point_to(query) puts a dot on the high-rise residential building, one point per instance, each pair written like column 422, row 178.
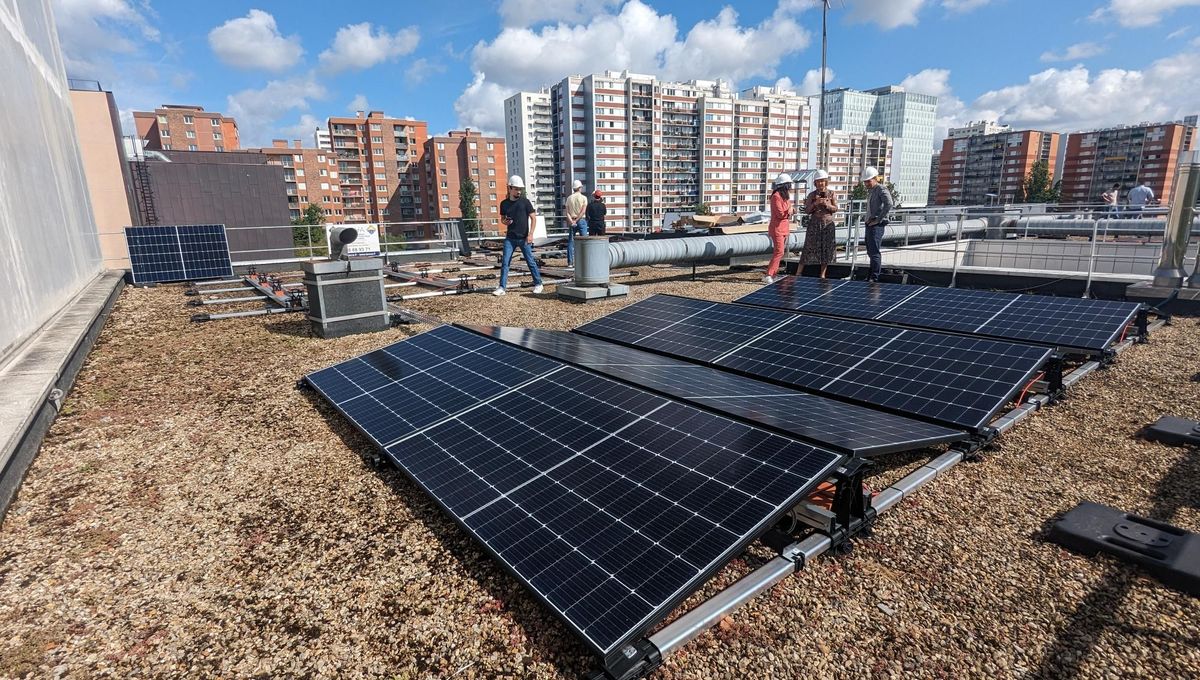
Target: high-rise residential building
column 990, row 168
column 182, row 127
column 934, row 172
column 380, row 164
column 310, row 178
column 458, row 155
column 529, row 144
column 848, row 154
column 1098, row 159
column 321, row 138
column 907, row 117
column 1192, row 120
column 983, row 127
column 656, row 146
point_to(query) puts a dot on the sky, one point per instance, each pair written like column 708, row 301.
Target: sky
column 281, row 68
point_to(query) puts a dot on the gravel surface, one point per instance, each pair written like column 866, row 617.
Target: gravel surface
column 192, row 513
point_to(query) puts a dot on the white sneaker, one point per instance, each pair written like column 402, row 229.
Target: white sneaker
column 538, row 288
column 498, row 292
column 768, row 280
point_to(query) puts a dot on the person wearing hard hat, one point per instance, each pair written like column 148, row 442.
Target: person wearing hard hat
column 879, row 207
column 519, row 217
column 820, row 205
column 596, row 213
column 576, row 219
column 781, row 223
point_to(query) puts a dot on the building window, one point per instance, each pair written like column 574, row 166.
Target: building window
column 191, row 134
column 162, row 120
column 320, row 158
column 491, row 160
column 474, row 159
column 475, row 171
column 491, row 172
column 215, row 122
column 216, row 135
column 188, row 120
column 376, row 127
column 192, row 147
column 165, row 133
column 491, row 197
column 492, row 184
column 378, row 152
column 445, row 198
column 442, row 159
column 490, row 146
column 444, row 186
column 377, row 140
column 472, row 146
column 220, row 148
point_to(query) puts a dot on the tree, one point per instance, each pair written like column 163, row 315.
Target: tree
column 702, row 209
column 859, row 193
column 304, row 234
column 1037, row 187
column 467, row 197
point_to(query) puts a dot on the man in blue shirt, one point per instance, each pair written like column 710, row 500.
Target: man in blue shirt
column 520, row 217
column 1140, row 197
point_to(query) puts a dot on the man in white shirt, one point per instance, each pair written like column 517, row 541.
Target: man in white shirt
column 576, row 220
column 1139, row 197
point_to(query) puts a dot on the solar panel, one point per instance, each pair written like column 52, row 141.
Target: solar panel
column 954, row 380
column 609, row 502
column 1070, row 323
column 836, row 425
column 162, row 254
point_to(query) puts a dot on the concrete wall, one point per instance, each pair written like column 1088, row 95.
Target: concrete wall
column 48, row 245
column 104, row 165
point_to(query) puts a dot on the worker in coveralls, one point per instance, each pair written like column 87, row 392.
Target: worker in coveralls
column 781, row 223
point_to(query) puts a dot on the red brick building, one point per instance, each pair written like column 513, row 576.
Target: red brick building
column 379, row 161
column 990, row 168
column 310, row 177
column 180, row 127
column 460, row 154
column 1098, row 159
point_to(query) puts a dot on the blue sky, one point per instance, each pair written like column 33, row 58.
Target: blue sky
column 282, row 67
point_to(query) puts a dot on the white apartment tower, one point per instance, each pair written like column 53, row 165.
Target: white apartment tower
column 974, row 129
column 655, row 146
column 907, row 117
column 322, row 139
column 529, row 144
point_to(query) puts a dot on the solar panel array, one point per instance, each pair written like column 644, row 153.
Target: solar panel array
column 611, row 503
column 953, row 380
column 163, row 254
column 837, row 425
column 1070, row 323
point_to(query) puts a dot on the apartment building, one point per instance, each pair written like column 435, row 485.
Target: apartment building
column 990, row 168
column 458, row 155
column 322, row 139
column 906, row 117
column 182, row 127
column 310, row 177
column 529, row 146
column 975, row 128
column 1098, row 159
column 657, row 146
column 379, row 165
column 934, row 175
column 848, row 154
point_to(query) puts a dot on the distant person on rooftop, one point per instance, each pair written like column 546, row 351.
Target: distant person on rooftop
column 821, row 205
column 1140, row 197
column 576, row 219
column 519, row 217
column 1112, row 199
column 596, row 212
column 879, row 207
column 781, row 223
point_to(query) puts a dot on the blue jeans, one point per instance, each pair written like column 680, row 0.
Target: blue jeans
column 511, row 245
column 874, row 239
column 580, row 228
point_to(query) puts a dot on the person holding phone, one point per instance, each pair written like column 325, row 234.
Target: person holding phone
column 519, row 217
column 820, row 244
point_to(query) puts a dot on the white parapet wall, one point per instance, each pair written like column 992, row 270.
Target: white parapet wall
column 48, row 245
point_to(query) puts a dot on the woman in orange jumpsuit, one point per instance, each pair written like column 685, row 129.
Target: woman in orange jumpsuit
column 781, row 223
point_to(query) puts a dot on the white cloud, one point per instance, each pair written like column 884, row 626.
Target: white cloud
column 637, row 38
column 257, row 111
column 1139, row 13
column 418, row 71
column 302, row 129
column 88, row 30
column 1179, row 33
column 811, row 85
column 936, row 82
column 534, row 12
column 890, row 14
column 254, row 42
column 359, row 103
column 1084, row 50
column 360, row 46
column 963, row 5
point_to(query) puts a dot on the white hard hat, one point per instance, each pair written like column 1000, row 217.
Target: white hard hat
column 821, row 174
column 516, row 181
column 870, row 173
column 576, row 185
column 782, row 178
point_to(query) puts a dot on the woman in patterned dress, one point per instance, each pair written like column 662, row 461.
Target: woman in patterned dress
column 820, row 246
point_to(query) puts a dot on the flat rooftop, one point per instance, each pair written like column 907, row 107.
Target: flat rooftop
column 191, row 512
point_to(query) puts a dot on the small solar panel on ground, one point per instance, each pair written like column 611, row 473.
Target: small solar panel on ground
column 954, row 380
column 1069, row 323
column 826, row 422
column 163, row 254
column 609, row 502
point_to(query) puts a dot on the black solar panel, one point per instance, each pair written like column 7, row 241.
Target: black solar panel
column 178, row 253
column 1069, row 323
column 837, row 425
column 955, row 380
column 609, row 502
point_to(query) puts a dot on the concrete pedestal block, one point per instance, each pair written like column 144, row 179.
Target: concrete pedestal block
column 590, row 293
column 346, row 297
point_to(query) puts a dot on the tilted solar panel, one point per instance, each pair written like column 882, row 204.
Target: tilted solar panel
column 826, row 422
column 162, row 254
column 609, row 502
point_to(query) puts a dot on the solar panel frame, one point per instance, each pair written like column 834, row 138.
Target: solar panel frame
column 820, row 466
column 171, row 253
column 837, row 425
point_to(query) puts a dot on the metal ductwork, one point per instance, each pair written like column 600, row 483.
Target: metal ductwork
column 1049, row 226
column 1180, row 222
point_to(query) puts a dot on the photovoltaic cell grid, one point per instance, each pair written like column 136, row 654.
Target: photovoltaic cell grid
column 955, row 380
column 840, row 426
column 1090, row 325
column 163, row 254
column 609, row 502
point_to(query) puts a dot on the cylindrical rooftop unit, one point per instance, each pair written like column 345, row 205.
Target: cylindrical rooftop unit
column 591, row 260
